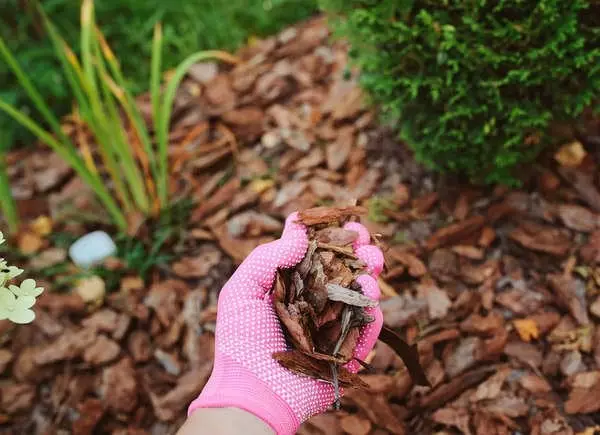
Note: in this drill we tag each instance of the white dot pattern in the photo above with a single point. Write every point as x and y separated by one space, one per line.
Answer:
249 332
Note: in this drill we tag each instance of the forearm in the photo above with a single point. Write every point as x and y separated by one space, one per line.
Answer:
224 421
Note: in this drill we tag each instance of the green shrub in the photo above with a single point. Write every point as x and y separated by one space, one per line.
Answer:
473 86
188 26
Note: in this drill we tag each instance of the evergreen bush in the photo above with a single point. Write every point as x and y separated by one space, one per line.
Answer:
473 86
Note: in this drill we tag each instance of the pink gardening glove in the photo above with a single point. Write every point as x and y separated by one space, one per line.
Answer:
248 332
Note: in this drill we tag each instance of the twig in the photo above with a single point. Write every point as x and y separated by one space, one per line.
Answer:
336 386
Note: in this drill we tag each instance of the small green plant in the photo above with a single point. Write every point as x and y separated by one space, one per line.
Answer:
188 26
16 301
473 86
377 206
138 168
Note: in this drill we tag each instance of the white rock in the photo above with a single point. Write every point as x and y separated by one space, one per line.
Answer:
92 249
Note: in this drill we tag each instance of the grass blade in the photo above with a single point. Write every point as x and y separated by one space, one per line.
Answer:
155 72
30 89
68 153
122 147
128 103
162 126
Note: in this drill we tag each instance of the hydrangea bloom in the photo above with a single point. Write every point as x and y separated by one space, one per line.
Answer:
16 301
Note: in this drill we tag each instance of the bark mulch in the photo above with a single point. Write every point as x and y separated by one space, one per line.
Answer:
499 288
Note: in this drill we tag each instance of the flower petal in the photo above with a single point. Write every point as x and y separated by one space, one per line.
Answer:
22 317
24 303
7 299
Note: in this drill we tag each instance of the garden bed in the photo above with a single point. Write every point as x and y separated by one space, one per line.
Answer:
499 288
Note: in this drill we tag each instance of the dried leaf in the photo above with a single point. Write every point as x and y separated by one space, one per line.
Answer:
570 154
457 417
455 232
299 362
578 218
438 301
416 268
527 329
409 355
336 236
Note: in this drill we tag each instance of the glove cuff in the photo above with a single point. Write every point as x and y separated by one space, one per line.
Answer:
233 386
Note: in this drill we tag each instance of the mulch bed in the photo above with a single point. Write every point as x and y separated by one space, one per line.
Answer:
499 288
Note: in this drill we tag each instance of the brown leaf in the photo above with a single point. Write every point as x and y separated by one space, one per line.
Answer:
482 325
336 236
409 355
584 184
172 405
222 196
69 345
425 203
104 320
140 346
219 95
299 362
16 397
488 235
491 388
464 356
118 388
103 350
288 192
468 251
251 223
296 326
199 266
454 233
511 406
543 239
454 387
535 384
438 301
6 356
457 417
443 264
245 122
337 152
416 268
90 413
583 401
400 310
354 425
524 352
578 218
590 252
571 294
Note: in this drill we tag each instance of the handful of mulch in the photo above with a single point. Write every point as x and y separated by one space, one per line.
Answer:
322 306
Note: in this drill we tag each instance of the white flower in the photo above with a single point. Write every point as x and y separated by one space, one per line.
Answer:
9 272
16 309
1 238
27 288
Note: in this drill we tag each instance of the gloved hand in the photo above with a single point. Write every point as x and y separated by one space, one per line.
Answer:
248 332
